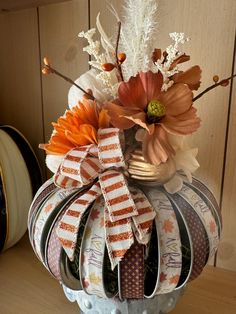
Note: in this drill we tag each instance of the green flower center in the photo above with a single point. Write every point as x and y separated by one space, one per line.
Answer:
156 109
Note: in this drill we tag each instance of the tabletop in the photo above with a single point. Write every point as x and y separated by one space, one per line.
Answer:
27 288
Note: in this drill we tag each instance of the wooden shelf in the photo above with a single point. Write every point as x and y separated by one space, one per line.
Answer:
12 5
26 288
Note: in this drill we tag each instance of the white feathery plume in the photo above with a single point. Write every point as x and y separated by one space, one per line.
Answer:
139 26
105 41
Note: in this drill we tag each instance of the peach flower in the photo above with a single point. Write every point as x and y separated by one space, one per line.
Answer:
141 101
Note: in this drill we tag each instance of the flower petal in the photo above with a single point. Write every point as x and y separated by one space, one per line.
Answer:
87 112
186 160
104 119
87 134
156 147
184 124
152 83
88 80
117 113
174 185
177 99
180 59
58 145
191 77
53 162
132 93
139 119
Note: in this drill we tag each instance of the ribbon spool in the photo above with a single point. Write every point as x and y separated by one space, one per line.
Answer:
20 177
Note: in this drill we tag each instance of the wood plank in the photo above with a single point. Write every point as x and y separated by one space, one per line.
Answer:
20 92
59 27
27 287
12 5
206 23
227 251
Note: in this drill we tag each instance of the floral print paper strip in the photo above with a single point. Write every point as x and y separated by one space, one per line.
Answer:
93 249
205 215
170 242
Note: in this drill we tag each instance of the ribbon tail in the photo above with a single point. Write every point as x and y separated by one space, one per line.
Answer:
143 222
67 230
119 238
117 197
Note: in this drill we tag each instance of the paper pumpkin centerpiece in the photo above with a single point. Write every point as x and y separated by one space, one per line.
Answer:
122 215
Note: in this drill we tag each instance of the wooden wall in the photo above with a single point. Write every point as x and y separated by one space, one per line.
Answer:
30 102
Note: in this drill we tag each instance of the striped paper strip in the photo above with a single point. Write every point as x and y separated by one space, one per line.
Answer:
119 238
67 230
146 214
117 196
109 148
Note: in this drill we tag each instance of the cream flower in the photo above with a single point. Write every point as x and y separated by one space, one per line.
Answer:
185 160
89 80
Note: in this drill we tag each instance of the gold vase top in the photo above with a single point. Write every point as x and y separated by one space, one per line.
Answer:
137 168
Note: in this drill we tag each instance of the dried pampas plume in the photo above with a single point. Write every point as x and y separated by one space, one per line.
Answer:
139 26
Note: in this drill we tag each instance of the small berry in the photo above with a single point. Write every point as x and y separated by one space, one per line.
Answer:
215 78
46 71
108 67
225 83
46 61
121 57
156 55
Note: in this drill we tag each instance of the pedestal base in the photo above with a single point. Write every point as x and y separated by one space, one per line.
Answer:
90 304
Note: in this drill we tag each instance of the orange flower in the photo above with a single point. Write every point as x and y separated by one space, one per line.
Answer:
141 101
78 127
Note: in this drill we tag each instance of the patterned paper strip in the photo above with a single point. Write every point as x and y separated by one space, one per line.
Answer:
170 242
53 245
92 252
67 230
43 191
45 213
199 241
209 199
132 273
205 215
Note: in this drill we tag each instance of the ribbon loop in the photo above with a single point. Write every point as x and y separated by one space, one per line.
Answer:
81 165
110 148
128 213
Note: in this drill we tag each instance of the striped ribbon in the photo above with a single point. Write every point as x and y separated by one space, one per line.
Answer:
128 213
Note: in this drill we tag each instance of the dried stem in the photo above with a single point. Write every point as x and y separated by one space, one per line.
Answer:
213 86
52 70
116 52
